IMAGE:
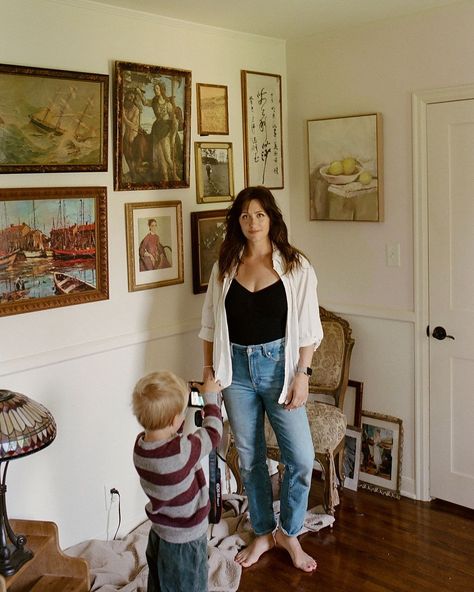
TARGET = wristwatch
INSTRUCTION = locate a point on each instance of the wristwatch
(308, 371)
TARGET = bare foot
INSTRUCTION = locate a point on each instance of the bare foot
(300, 559)
(255, 550)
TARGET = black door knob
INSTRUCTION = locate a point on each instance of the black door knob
(440, 333)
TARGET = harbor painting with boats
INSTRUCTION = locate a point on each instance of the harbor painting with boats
(52, 245)
(52, 120)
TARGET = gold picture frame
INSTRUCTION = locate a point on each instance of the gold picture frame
(212, 109)
(345, 163)
(53, 121)
(152, 127)
(214, 172)
(154, 244)
(262, 127)
(53, 248)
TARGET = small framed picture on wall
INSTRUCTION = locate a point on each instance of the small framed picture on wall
(214, 172)
(154, 244)
(212, 109)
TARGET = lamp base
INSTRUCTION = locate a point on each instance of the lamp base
(16, 558)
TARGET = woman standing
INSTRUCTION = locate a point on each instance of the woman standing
(260, 326)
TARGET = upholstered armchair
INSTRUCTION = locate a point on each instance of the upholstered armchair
(327, 421)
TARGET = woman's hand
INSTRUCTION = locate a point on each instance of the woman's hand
(298, 392)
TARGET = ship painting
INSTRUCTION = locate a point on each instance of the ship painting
(52, 120)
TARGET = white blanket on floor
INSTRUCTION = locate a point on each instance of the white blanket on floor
(121, 564)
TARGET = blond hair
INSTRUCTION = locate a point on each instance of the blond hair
(157, 398)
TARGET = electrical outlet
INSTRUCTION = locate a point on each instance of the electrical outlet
(392, 253)
(111, 496)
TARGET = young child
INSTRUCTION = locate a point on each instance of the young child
(171, 475)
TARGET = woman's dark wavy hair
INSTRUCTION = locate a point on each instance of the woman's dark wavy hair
(234, 241)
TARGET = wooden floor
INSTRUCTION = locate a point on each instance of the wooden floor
(377, 544)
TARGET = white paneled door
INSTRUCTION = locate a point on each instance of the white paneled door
(450, 142)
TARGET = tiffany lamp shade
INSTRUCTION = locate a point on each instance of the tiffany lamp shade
(25, 428)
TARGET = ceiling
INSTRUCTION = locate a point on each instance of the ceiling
(283, 19)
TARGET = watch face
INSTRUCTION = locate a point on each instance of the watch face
(309, 371)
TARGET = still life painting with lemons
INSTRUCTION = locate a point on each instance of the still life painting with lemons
(345, 168)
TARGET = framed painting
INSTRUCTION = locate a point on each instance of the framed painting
(352, 448)
(52, 120)
(346, 168)
(381, 453)
(212, 109)
(154, 244)
(262, 121)
(152, 120)
(53, 248)
(207, 234)
(357, 388)
(214, 172)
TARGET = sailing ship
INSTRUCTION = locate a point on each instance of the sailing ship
(73, 241)
(51, 118)
(34, 242)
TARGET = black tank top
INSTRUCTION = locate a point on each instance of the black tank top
(256, 317)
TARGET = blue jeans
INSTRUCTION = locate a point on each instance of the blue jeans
(176, 567)
(257, 381)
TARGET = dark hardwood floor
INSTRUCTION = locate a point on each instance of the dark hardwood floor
(377, 544)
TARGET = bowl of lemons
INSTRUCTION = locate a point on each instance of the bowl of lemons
(341, 172)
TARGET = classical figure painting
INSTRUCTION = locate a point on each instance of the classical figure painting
(154, 244)
(212, 109)
(52, 120)
(214, 172)
(152, 135)
(262, 121)
(207, 234)
(53, 247)
(345, 168)
(381, 453)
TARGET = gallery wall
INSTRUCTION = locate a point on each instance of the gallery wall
(82, 361)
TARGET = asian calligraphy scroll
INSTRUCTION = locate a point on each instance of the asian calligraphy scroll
(263, 146)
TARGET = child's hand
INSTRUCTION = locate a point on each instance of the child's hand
(210, 385)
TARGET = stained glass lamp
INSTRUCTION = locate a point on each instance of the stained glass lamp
(25, 428)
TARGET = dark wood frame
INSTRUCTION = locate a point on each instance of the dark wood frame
(375, 483)
(42, 99)
(213, 197)
(207, 108)
(262, 128)
(359, 391)
(200, 283)
(14, 302)
(137, 79)
(157, 277)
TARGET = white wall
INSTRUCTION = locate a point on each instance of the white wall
(82, 361)
(363, 70)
